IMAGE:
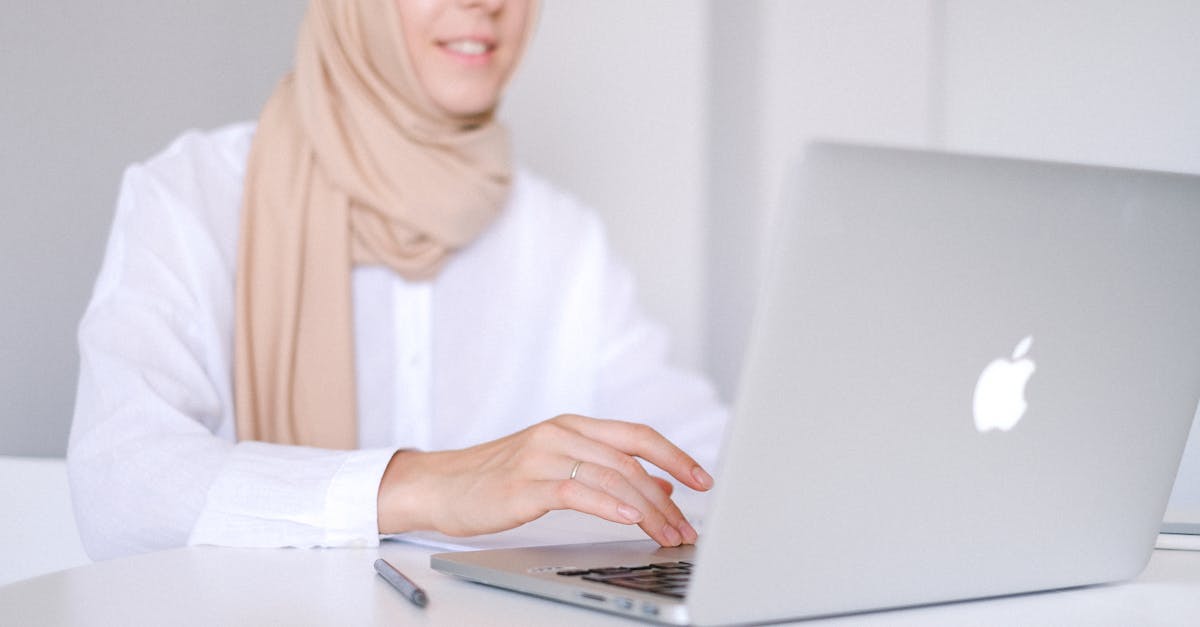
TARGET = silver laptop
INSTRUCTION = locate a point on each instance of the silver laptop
(968, 377)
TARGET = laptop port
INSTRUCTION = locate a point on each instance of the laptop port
(592, 597)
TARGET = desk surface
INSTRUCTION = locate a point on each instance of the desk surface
(217, 586)
(337, 586)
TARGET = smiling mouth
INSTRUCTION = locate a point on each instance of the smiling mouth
(468, 47)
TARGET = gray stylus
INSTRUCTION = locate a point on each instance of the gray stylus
(401, 583)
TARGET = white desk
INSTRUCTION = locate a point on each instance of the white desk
(216, 586)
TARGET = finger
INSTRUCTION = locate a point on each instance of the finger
(673, 514)
(645, 442)
(649, 497)
(610, 481)
(650, 489)
(576, 495)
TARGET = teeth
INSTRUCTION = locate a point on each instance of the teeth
(467, 46)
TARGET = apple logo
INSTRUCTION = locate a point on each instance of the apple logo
(1000, 391)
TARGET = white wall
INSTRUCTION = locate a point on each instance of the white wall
(610, 104)
(785, 72)
(1103, 81)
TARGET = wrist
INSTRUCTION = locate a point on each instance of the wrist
(403, 501)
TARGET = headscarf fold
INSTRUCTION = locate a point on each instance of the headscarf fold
(352, 163)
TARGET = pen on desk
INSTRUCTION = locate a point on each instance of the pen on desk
(402, 584)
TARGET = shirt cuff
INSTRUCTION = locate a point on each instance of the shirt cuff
(351, 503)
(271, 495)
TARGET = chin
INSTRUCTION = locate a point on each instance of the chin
(467, 104)
(470, 110)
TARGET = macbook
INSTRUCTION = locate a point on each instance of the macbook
(967, 377)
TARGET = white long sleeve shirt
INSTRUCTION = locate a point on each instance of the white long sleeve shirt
(534, 319)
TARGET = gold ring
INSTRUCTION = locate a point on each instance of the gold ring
(575, 469)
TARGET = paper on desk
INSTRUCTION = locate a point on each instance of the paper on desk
(1178, 542)
(556, 527)
(1181, 529)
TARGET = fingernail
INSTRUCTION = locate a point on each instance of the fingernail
(701, 477)
(689, 533)
(672, 535)
(630, 514)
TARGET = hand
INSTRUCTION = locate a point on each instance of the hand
(504, 483)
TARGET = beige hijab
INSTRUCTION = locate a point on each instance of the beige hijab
(352, 163)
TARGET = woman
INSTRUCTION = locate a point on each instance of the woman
(329, 326)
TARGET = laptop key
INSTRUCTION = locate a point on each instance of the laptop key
(634, 585)
(609, 570)
(606, 578)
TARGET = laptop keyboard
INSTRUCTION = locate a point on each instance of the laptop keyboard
(666, 578)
